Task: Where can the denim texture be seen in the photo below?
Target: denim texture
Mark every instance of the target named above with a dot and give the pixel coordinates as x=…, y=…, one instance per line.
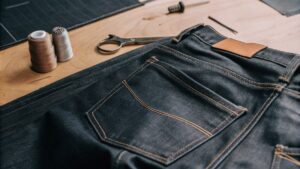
x=171, y=104
x=18, y=18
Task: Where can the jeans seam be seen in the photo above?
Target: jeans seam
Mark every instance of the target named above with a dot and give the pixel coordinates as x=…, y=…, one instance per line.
x=224, y=71
x=292, y=93
x=285, y=152
x=175, y=154
x=216, y=103
x=118, y=159
x=197, y=141
x=97, y=107
x=130, y=147
x=221, y=124
x=245, y=129
x=292, y=66
x=62, y=87
x=175, y=117
x=201, y=39
x=130, y=76
x=113, y=91
x=275, y=162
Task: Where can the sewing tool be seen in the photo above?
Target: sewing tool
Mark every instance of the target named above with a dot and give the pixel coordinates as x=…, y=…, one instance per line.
x=180, y=7
x=222, y=24
x=113, y=43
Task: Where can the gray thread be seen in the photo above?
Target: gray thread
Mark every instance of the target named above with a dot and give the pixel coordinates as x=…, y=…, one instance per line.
x=62, y=44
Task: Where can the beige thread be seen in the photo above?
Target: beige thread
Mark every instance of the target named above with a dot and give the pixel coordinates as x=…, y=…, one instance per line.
x=199, y=128
x=292, y=92
x=274, y=161
x=296, y=154
x=289, y=158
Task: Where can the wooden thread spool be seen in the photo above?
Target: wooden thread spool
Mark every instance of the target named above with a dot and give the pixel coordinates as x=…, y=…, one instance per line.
x=41, y=50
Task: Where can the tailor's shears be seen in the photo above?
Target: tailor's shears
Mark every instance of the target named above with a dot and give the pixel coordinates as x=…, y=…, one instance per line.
x=116, y=43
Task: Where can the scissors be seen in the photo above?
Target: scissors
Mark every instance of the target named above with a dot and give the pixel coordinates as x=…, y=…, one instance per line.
x=117, y=43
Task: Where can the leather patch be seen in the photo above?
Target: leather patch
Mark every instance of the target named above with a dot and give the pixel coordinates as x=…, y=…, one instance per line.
x=240, y=48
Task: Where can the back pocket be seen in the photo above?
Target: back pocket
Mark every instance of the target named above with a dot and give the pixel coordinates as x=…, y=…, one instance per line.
x=161, y=113
x=286, y=158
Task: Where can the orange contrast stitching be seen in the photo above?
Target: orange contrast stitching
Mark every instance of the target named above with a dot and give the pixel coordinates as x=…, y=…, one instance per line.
x=199, y=128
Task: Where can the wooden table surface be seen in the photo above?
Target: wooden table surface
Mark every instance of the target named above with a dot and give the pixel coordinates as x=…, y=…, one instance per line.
x=254, y=20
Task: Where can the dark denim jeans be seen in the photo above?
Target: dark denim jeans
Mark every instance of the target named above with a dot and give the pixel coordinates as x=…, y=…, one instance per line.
x=177, y=105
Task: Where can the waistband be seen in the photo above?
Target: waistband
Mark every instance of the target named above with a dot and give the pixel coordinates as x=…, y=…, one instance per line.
x=210, y=36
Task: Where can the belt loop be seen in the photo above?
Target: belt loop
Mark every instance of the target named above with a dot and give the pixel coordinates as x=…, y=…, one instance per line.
x=290, y=69
x=186, y=32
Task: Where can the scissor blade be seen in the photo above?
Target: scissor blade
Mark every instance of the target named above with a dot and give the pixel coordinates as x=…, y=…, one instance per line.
x=146, y=40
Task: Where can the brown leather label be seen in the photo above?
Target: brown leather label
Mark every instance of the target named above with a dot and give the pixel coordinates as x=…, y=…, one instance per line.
x=237, y=47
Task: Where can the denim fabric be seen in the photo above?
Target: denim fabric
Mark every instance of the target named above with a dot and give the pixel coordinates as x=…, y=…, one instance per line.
x=171, y=104
x=18, y=18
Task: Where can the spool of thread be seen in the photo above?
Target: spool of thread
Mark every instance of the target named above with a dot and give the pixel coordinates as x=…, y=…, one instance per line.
x=62, y=44
x=41, y=50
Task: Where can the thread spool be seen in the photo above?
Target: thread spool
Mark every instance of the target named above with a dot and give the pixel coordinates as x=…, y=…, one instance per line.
x=62, y=44
x=41, y=50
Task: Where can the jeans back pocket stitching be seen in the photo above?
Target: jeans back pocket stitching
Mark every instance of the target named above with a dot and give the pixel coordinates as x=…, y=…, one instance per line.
x=130, y=147
x=134, y=148
x=216, y=103
x=102, y=102
x=130, y=76
x=175, y=117
x=114, y=90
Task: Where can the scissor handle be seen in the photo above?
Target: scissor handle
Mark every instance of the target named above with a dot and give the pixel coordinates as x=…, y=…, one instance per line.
x=113, y=40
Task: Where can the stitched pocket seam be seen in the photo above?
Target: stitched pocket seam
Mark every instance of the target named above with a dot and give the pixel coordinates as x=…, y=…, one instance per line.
x=178, y=118
x=285, y=154
x=217, y=103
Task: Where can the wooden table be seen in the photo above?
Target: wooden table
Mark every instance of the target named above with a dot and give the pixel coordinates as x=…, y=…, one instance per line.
x=254, y=20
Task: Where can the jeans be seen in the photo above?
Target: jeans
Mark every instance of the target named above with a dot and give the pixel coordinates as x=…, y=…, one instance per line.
x=175, y=104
